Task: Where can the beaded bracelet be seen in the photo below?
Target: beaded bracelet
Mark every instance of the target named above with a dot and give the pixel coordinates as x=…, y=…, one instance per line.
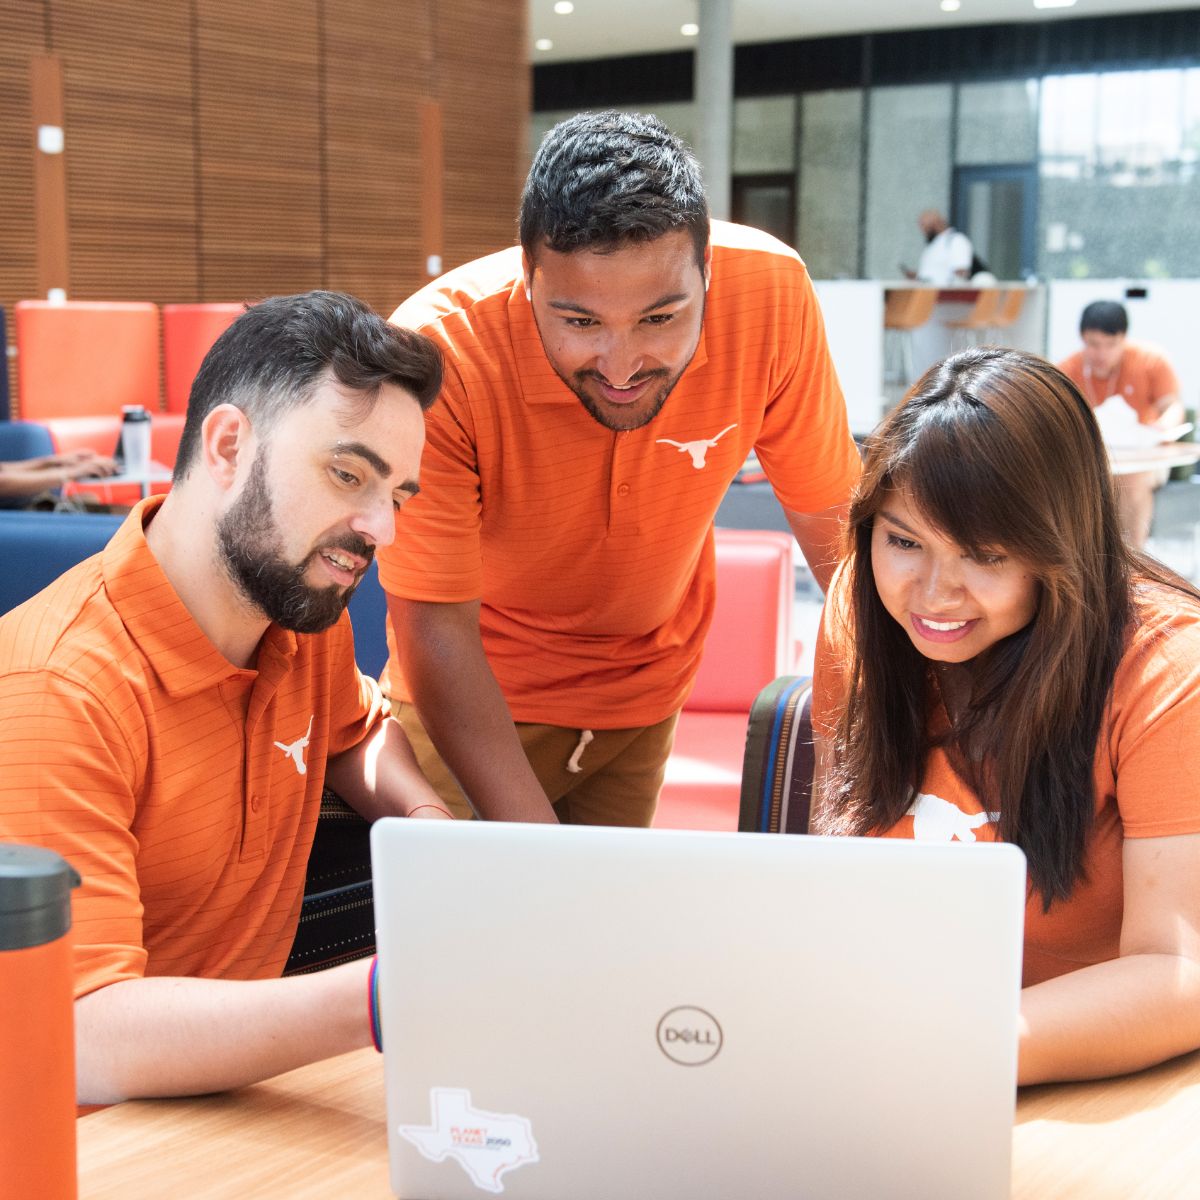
x=373, y=1004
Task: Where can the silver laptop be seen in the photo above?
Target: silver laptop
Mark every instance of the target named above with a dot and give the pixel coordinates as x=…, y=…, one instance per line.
x=611, y=1014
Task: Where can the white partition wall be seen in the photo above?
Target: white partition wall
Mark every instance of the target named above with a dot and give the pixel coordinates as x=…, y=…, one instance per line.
x=853, y=311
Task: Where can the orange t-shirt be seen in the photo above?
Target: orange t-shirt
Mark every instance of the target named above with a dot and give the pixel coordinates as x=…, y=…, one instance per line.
x=167, y=777
x=1144, y=776
x=590, y=550
x=1143, y=378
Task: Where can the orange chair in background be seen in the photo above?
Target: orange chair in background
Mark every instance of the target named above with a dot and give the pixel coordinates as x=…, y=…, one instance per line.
x=969, y=330
x=1009, y=312
x=906, y=309
x=748, y=645
x=188, y=331
x=85, y=358
x=78, y=364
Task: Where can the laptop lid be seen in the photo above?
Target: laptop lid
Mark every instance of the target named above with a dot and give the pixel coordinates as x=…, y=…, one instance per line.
x=575, y=1013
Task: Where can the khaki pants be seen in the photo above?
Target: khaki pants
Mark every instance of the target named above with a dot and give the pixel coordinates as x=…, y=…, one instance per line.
x=619, y=777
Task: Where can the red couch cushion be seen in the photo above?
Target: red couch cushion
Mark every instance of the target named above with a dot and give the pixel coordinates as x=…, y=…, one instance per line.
x=702, y=788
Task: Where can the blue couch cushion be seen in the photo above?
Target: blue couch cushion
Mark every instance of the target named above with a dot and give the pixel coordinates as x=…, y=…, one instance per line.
x=37, y=547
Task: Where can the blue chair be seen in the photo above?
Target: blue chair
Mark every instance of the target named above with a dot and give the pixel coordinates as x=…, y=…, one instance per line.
x=368, y=616
x=37, y=547
x=20, y=440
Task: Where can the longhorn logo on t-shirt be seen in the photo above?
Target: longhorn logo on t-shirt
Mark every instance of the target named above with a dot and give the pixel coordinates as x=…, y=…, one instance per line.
x=937, y=820
x=295, y=750
x=697, y=449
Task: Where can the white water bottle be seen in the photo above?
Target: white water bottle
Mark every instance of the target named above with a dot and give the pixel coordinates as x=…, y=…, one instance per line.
x=135, y=439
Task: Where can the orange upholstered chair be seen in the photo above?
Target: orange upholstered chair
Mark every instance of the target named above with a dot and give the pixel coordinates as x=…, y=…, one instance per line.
x=85, y=358
x=749, y=644
x=188, y=330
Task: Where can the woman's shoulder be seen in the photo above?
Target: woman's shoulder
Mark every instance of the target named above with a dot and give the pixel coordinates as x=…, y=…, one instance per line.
x=1164, y=637
x=1161, y=609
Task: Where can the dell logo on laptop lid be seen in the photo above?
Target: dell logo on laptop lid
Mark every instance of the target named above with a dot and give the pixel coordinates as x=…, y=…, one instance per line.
x=690, y=1036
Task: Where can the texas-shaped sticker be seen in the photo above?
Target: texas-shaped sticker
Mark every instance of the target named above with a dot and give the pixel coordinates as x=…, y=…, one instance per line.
x=485, y=1144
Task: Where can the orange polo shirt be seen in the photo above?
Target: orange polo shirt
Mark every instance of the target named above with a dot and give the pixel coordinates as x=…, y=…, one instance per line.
x=591, y=550
x=167, y=777
x=1143, y=378
x=1144, y=777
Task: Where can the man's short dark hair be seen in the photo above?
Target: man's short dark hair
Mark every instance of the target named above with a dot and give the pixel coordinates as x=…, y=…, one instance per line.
x=600, y=180
x=1104, y=316
x=274, y=356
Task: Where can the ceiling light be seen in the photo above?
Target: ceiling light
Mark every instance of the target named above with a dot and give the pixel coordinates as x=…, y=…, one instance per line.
x=1053, y=3
x=951, y=5
x=564, y=8
x=543, y=44
x=689, y=29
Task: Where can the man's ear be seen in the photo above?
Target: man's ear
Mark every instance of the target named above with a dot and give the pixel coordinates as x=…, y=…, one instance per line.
x=527, y=272
x=707, y=265
x=226, y=441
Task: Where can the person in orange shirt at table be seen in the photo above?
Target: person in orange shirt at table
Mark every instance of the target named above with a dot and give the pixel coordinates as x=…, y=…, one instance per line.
x=997, y=664
x=1110, y=365
x=551, y=587
x=171, y=708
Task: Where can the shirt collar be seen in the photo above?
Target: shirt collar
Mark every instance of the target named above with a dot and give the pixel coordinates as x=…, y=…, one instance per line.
x=181, y=654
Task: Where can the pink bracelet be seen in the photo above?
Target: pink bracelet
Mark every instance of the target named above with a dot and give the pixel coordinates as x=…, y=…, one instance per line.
x=435, y=807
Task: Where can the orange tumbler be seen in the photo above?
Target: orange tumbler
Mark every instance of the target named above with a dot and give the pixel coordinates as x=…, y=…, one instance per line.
x=37, y=1026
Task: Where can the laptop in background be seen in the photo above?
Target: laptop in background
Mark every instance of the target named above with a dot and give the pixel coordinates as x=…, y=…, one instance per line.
x=574, y=1013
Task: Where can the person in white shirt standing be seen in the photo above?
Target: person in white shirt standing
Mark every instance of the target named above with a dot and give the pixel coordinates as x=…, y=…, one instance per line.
x=948, y=254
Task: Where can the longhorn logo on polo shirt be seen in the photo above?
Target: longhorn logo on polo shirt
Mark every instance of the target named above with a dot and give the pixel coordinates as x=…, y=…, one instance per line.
x=937, y=820
x=696, y=449
x=295, y=750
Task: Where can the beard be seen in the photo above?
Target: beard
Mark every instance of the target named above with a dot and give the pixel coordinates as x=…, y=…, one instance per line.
x=249, y=544
x=618, y=419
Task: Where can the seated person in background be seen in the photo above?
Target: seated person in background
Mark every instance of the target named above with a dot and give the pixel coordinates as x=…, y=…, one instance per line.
x=1109, y=365
x=948, y=257
x=27, y=478
x=171, y=707
x=997, y=664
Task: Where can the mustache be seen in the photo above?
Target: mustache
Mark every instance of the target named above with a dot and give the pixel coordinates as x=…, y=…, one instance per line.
x=641, y=377
x=352, y=544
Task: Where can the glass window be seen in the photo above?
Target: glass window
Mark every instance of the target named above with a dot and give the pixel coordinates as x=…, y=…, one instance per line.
x=764, y=135
x=997, y=122
x=1120, y=195
x=908, y=170
x=829, y=199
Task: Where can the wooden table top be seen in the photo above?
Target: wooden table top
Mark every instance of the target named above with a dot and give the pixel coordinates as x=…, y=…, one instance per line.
x=321, y=1132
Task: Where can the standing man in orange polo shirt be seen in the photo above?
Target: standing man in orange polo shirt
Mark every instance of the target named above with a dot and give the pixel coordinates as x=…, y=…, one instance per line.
x=171, y=707
x=605, y=381
x=1110, y=365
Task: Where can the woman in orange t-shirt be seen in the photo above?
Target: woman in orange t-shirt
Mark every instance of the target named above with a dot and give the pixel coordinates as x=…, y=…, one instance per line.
x=997, y=663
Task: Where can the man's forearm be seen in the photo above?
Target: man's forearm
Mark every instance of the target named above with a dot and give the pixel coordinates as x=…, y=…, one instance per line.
x=463, y=710
x=183, y=1037
x=820, y=536
x=380, y=777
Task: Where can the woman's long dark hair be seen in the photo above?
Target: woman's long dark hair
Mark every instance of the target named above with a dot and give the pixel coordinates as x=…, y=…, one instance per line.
x=995, y=448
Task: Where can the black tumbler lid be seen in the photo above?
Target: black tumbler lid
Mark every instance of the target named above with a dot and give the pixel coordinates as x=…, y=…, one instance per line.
x=35, y=896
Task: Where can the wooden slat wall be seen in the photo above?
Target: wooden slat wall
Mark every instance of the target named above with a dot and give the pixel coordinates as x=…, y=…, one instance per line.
x=259, y=117
x=22, y=34
x=485, y=106
x=220, y=150
x=131, y=201
x=375, y=76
